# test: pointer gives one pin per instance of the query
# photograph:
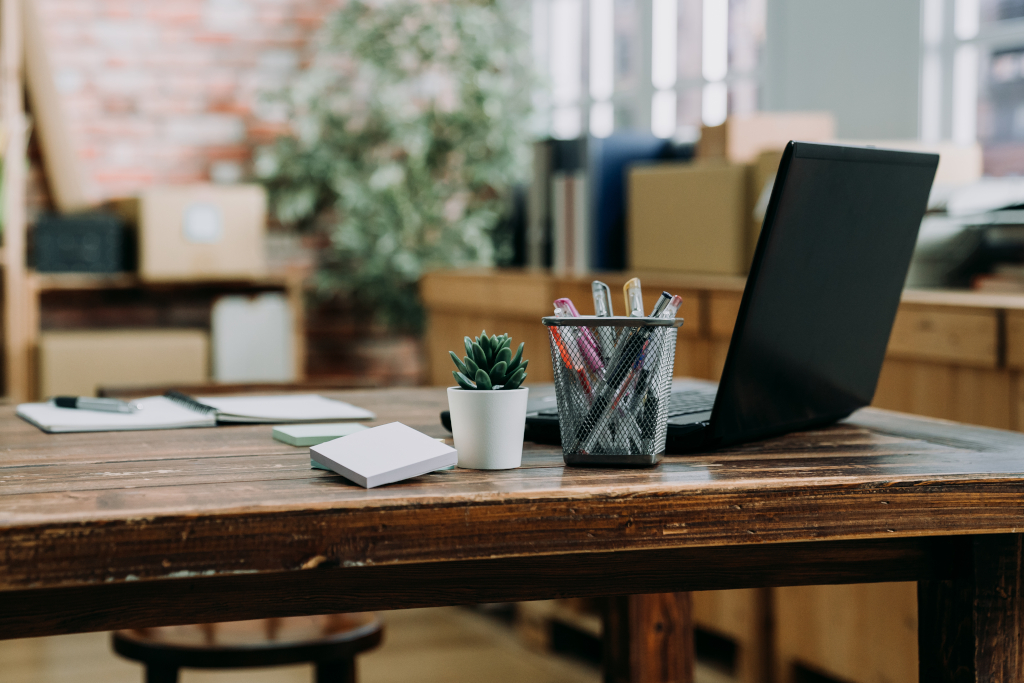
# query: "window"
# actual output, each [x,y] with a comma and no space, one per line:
[665,66]
[972,78]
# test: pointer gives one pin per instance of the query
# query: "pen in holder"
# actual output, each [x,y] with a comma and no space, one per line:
[613,413]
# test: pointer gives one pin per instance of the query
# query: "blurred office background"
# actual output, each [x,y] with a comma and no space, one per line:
[277,194]
[171,93]
[151,96]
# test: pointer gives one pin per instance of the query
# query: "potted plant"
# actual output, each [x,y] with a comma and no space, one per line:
[407,133]
[488,408]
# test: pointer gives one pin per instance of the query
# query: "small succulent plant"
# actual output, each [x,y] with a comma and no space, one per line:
[489,363]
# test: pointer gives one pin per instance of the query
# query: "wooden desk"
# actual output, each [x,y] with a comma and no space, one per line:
[101,531]
[952,355]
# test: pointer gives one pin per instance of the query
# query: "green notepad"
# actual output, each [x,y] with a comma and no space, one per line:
[314,434]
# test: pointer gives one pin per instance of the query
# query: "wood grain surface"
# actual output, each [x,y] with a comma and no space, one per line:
[967,336]
[82,508]
[648,638]
[331,588]
[160,514]
[972,628]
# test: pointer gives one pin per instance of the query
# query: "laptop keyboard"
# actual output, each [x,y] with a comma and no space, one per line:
[690,401]
[679,403]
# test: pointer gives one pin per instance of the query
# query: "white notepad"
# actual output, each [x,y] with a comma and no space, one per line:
[383,455]
[160,412]
[155,412]
[285,408]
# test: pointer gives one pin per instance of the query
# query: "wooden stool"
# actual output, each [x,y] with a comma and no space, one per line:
[331,642]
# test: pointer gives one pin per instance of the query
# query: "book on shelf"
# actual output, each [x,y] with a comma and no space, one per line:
[571,222]
[1006,278]
[577,198]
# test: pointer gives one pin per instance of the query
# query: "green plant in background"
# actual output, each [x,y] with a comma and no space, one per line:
[410,131]
[489,363]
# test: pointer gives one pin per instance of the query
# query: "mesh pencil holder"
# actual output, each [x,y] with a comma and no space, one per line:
[613,377]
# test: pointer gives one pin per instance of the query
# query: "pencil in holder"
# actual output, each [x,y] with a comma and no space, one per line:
[613,378]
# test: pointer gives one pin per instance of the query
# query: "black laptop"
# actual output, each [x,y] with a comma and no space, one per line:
[819,302]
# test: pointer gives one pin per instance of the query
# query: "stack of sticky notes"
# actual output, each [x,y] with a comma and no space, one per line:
[312,434]
[383,455]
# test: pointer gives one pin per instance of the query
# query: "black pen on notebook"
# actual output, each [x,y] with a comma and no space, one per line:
[106,405]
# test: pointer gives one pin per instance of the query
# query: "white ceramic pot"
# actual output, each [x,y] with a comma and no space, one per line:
[488,427]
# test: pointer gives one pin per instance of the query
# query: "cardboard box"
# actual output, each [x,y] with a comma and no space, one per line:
[743,136]
[79,362]
[762,180]
[958,164]
[200,232]
[690,217]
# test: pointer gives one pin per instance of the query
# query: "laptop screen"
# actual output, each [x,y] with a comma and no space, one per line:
[823,288]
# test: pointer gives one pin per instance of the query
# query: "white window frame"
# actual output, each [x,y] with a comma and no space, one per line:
[638,102]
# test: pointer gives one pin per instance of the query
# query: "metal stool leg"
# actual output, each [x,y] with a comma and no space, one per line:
[336,671]
[161,674]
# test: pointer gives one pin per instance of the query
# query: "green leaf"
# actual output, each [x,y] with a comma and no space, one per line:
[497,373]
[519,354]
[479,356]
[487,344]
[469,345]
[516,379]
[471,365]
[513,367]
[505,355]
[458,363]
[463,381]
[482,380]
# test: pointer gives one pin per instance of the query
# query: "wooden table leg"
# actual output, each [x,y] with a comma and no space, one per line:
[648,639]
[761,661]
[972,629]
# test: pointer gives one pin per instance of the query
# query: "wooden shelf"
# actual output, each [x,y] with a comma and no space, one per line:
[22,58]
[56,282]
[962,297]
[48,282]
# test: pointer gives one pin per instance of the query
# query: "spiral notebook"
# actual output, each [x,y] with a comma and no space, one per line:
[179,411]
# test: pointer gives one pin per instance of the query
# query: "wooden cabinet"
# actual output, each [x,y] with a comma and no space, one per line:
[862,633]
[468,302]
[461,303]
[723,307]
[952,355]
[946,334]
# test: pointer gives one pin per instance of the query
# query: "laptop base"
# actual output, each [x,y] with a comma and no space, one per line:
[689,410]
[613,460]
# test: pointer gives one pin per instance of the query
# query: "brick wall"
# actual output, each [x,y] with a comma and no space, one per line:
[169,91]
